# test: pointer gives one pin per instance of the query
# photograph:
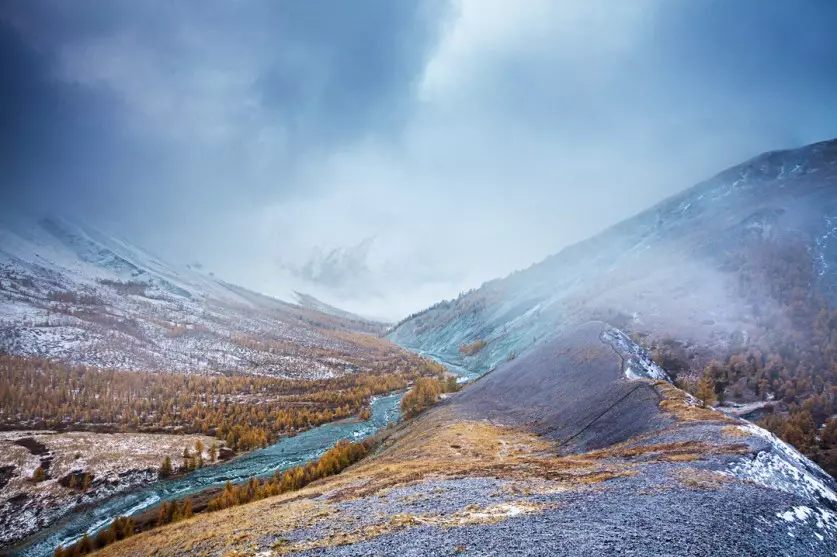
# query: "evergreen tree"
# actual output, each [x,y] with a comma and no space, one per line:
[706,390]
[163,514]
[165,468]
[102,539]
[85,545]
[187,458]
[39,475]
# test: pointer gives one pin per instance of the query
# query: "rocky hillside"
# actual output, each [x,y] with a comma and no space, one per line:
[734,278]
[578,447]
[73,293]
[679,268]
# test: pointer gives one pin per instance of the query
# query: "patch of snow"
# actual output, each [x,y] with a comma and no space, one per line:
[117,462]
[638,363]
[60,297]
[506,510]
[801,520]
[783,468]
[744,409]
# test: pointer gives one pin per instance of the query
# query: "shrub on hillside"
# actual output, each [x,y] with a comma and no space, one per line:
[424,394]
[473,348]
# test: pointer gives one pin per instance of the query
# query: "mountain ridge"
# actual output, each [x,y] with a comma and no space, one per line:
[72,292]
[634,234]
[734,280]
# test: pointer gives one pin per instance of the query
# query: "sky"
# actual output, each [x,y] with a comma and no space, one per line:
[385,155]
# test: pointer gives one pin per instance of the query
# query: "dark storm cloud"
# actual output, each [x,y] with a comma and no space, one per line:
[168,107]
[468,137]
[786,44]
[60,142]
[610,106]
[359,74]
[768,66]
[742,74]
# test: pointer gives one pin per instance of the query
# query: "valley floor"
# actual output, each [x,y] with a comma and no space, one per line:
[108,463]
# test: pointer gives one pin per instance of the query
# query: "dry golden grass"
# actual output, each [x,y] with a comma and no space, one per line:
[370,342]
[434,446]
[735,431]
[695,478]
[674,402]
[438,446]
[681,451]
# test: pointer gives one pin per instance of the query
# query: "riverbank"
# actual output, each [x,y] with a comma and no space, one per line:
[45,474]
[286,453]
[342,455]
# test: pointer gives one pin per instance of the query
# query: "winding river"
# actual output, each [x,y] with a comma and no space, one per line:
[286,453]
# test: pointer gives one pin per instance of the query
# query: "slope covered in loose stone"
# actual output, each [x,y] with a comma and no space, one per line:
[570,389]
[490,471]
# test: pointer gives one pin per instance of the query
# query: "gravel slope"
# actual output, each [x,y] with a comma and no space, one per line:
[566,451]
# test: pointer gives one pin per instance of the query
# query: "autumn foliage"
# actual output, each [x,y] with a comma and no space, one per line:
[174,511]
[425,393]
[706,390]
[472,348]
[119,529]
[337,458]
[245,412]
[789,354]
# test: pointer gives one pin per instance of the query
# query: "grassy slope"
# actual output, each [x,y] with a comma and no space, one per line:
[439,444]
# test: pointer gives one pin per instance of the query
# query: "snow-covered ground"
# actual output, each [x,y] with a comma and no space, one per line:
[785,469]
[72,293]
[637,362]
[780,467]
[115,463]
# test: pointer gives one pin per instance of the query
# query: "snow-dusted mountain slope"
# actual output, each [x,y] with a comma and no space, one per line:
[689,266]
[71,292]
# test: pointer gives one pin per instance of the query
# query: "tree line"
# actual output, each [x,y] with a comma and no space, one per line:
[245,411]
[425,393]
[789,354]
[342,455]
[119,529]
